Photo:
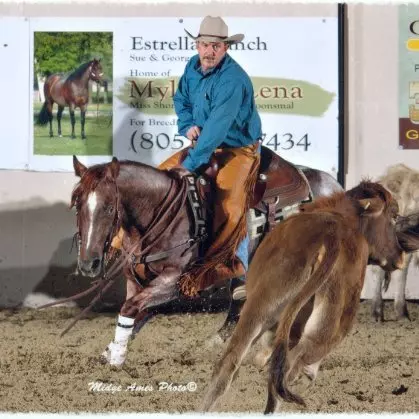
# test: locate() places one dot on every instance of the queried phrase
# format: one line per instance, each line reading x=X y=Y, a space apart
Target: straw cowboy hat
x=214 y=29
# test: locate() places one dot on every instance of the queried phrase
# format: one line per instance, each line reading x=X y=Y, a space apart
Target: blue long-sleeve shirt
x=220 y=102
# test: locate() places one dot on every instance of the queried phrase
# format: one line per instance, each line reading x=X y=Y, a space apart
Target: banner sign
x=408 y=76
x=293 y=64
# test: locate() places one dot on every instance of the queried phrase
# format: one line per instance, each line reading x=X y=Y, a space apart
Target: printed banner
x=408 y=77
x=115 y=96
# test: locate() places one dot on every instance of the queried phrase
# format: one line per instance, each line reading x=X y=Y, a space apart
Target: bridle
x=93 y=75
x=174 y=200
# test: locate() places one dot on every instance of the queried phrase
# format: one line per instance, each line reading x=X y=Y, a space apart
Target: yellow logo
x=413 y=44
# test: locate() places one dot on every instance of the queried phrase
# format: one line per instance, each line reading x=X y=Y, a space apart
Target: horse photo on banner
x=72 y=106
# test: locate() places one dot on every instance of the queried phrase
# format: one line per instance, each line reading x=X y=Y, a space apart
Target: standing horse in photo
x=163 y=216
x=72 y=91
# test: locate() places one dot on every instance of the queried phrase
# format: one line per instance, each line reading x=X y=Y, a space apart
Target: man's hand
x=193 y=133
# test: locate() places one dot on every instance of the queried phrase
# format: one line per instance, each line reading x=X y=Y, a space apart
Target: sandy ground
x=39 y=371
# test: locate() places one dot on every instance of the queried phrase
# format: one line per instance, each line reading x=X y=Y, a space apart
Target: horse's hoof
x=60 y=135
x=105 y=357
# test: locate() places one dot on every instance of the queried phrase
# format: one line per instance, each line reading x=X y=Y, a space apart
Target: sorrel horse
x=72 y=91
x=153 y=207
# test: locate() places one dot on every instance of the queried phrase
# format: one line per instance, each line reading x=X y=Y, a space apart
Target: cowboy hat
x=214 y=29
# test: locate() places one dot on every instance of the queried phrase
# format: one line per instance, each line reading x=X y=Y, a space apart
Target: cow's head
x=378 y=212
x=407 y=230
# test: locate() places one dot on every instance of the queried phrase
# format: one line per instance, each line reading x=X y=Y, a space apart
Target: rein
x=175 y=200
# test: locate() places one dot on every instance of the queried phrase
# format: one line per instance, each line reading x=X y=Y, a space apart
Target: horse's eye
x=109 y=210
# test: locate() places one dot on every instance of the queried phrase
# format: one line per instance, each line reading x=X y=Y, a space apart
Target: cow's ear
x=371 y=206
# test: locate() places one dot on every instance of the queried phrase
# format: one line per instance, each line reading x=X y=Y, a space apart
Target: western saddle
x=279 y=185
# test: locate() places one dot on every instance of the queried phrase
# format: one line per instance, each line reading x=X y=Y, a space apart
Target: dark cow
x=403 y=183
x=305 y=282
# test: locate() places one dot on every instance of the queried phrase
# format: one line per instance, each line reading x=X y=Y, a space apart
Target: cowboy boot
x=239 y=292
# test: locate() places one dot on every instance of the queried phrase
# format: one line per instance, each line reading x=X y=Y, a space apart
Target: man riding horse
x=216 y=111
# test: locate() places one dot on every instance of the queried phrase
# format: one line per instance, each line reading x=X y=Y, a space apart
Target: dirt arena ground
x=375 y=369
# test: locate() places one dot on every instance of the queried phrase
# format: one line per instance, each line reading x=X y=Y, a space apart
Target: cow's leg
x=377 y=305
x=321 y=334
x=400 y=278
x=263 y=356
x=400 y=306
x=249 y=328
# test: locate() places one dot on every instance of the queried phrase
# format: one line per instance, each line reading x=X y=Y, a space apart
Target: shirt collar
x=211 y=70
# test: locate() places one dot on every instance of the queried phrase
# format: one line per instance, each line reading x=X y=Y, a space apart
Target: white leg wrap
x=116 y=351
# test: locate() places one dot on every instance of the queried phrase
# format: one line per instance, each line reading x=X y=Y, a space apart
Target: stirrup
x=239 y=293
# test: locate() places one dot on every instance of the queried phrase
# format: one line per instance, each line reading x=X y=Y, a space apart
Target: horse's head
x=96 y=71
x=96 y=198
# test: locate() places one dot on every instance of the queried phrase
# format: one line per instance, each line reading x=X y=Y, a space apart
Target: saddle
x=280 y=184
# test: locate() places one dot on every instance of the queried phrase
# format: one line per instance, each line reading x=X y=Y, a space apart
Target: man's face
x=211 y=53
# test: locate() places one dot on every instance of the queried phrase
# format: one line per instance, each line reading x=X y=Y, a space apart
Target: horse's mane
x=97 y=174
x=78 y=72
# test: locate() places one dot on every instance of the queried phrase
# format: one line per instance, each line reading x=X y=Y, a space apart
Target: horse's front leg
x=82 y=121
x=73 y=121
x=161 y=290
x=59 y=115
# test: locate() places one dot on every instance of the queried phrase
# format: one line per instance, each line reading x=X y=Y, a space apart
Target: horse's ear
x=79 y=168
x=113 y=168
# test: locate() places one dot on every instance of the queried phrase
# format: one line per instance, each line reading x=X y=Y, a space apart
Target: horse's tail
x=43 y=116
x=326 y=259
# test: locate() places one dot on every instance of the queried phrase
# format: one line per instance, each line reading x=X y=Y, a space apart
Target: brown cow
x=305 y=281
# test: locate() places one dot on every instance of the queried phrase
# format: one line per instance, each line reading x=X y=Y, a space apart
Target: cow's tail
x=277 y=385
x=43 y=116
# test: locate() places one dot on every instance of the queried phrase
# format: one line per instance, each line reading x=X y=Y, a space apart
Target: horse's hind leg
x=82 y=121
x=49 y=109
x=73 y=121
x=232 y=316
x=59 y=116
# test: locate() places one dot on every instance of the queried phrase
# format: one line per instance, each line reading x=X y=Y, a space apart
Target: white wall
x=374 y=105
